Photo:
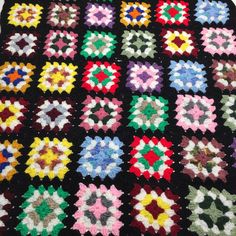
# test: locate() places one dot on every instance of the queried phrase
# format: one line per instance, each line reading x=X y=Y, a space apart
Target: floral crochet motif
x=60 y=44
x=135 y=13
x=211 y=11
x=42 y=211
x=57 y=77
x=144 y=77
x=12 y=114
x=99 y=15
x=15 y=76
x=172 y=12
x=63 y=15
x=98 y=44
x=179 y=42
x=138 y=44
x=203 y=158
x=9 y=153
x=101 y=113
x=98 y=210
x=48 y=158
x=100 y=157
x=148 y=112
x=218 y=41
x=154 y=210
x=196 y=113
x=212 y=211
x=21 y=45
x=151 y=157
x=101 y=76
x=53 y=115
x=188 y=76
x=224 y=74
x=28 y=15
x=229 y=111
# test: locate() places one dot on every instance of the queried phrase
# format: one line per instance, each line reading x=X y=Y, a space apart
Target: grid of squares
x=99 y=95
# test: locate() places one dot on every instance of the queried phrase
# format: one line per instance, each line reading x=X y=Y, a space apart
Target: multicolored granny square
x=233 y=146
x=15 y=76
x=98 y=44
x=195 y=113
x=135 y=13
x=151 y=157
x=42 y=211
x=155 y=211
x=98 y=210
x=63 y=15
x=138 y=43
x=148 y=112
x=203 y=159
x=211 y=12
x=100 y=157
x=60 y=44
x=48 y=157
x=224 y=74
x=57 y=77
x=21 y=44
x=12 y=114
x=179 y=42
x=5 y=206
x=229 y=111
x=101 y=113
x=25 y=15
x=172 y=12
x=144 y=77
x=9 y=153
x=188 y=76
x=99 y=15
x=53 y=115
x=219 y=41
x=101 y=76
x=212 y=211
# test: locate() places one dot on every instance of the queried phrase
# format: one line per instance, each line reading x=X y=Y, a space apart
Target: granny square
x=195 y=113
x=155 y=211
x=101 y=113
x=151 y=157
x=148 y=112
x=42 y=212
x=98 y=210
x=135 y=13
x=25 y=15
x=219 y=41
x=144 y=77
x=63 y=15
x=15 y=76
x=48 y=157
x=100 y=157
x=172 y=12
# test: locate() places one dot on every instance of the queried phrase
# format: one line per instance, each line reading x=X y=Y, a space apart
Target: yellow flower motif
x=16 y=76
x=134 y=13
x=28 y=15
x=9 y=152
x=48 y=158
x=57 y=77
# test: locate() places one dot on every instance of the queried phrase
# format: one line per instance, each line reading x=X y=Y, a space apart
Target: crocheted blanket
x=118 y=118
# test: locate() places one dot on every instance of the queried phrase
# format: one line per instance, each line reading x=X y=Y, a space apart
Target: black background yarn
x=124 y=180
